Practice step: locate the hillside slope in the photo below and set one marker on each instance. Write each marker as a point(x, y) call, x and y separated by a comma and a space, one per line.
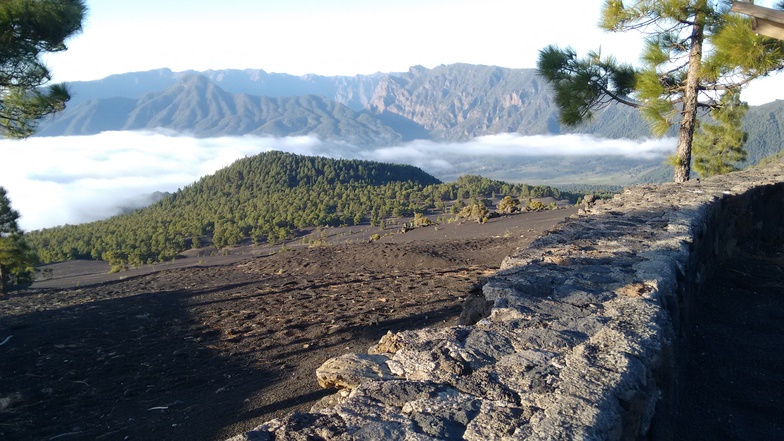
point(266, 198)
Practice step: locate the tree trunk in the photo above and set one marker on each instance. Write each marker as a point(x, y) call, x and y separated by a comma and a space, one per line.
point(689, 115)
point(3, 281)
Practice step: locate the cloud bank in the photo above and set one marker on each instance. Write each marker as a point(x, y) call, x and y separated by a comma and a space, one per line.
point(69, 180)
point(436, 158)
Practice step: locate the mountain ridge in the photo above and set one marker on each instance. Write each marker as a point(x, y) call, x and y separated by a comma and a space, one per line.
point(197, 106)
point(448, 103)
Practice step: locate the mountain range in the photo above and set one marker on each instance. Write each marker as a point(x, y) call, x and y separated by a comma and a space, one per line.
point(455, 102)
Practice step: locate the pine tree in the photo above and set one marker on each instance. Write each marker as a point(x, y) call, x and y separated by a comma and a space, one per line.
point(29, 28)
point(720, 145)
point(16, 259)
point(696, 52)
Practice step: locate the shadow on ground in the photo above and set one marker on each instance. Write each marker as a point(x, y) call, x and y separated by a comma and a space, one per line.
point(127, 367)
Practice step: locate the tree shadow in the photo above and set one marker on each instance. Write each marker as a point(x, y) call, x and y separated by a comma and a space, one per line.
point(126, 367)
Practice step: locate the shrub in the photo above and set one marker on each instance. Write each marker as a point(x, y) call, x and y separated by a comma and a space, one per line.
point(476, 211)
point(421, 221)
point(508, 205)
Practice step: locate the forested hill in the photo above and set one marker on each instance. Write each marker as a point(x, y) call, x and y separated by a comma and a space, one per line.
point(277, 170)
point(266, 199)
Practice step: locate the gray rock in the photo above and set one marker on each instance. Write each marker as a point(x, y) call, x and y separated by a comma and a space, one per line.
point(397, 393)
point(350, 370)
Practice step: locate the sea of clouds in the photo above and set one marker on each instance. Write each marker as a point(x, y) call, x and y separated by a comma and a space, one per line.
point(54, 181)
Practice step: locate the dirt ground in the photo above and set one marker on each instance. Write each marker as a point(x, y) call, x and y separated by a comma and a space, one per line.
point(213, 345)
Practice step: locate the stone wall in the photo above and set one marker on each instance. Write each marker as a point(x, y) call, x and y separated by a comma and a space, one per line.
point(583, 338)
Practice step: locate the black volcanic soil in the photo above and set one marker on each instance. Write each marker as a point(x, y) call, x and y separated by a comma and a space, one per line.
point(213, 345)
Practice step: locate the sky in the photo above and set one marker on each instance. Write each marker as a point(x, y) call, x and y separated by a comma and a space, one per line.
point(338, 37)
point(53, 181)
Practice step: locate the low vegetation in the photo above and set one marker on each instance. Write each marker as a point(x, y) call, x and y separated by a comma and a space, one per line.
point(476, 211)
point(509, 205)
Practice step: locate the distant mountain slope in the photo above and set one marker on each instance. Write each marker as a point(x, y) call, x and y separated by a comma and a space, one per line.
point(89, 117)
point(463, 101)
point(127, 85)
point(196, 106)
point(455, 102)
point(765, 126)
point(352, 91)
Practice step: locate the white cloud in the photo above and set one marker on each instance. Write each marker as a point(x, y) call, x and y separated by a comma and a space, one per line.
point(446, 156)
point(57, 180)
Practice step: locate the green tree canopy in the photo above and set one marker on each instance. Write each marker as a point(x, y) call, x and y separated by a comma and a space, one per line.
point(16, 259)
point(696, 58)
point(29, 28)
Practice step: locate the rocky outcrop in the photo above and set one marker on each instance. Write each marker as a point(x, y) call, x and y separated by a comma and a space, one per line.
point(462, 101)
point(583, 338)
